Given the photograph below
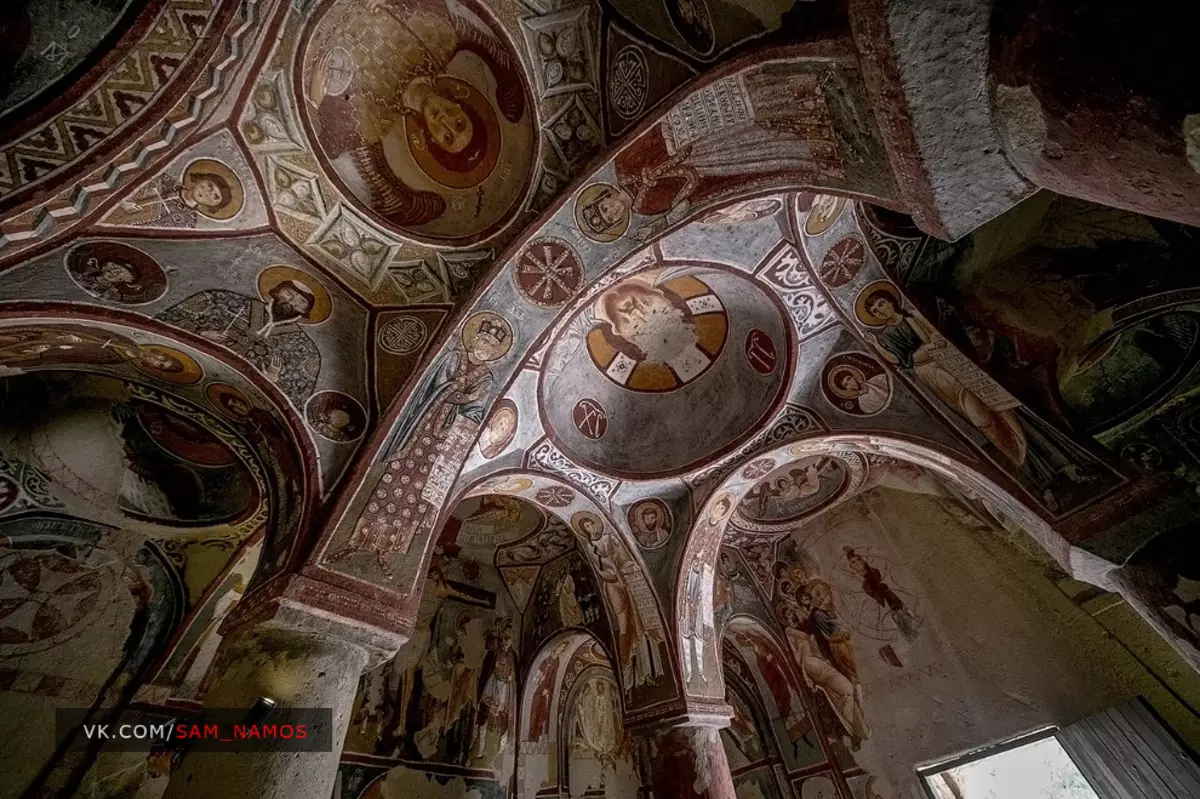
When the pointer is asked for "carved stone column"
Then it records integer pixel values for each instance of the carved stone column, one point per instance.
(688, 762)
(296, 656)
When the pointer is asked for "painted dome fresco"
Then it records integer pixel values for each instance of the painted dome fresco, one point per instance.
(664, 370)
(794, 490)
(421, 112)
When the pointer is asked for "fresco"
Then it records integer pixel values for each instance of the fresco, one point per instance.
(601, 755)
(45, 41)
(85, 609)
(209, 187)
(1059, 471)
(740, 126)
(565, 596)
(651, 522)
(705, 28)
(660, 342)
(448, 698)
(107, 449)
(116, 272)
(267, 330)
(422, 111)
(794, 490)
(1082, 312)
(448, 411)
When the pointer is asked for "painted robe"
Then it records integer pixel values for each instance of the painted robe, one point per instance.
(449, 408)
(910, 344)
(742, 126)
(282, 351)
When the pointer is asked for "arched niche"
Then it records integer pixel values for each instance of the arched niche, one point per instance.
(185, 377)
(697, 571)
(86, 609)
(634, 617)
(573, 740)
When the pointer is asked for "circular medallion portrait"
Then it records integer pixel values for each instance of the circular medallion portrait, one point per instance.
(500, 428)
(211, 189)
(694, 22)
(856, 383)
(587, 524)
(602, 212)
(826, 208)
(336, 417)
(653, 335)
(650, 521)
(229, 401)
(877, 303)
(167, 364)
(486, 336)
(421, 112)
(115, 272)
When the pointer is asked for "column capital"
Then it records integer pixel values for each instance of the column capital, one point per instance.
(300, 603)
(693, 712)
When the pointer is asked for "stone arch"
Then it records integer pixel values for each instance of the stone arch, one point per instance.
(542, 746)
(430, 428)
(50, 337)
(695, 625)
(637, 622)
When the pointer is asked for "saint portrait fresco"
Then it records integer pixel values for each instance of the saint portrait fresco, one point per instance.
(336, 417)
(207, 189)
(794, 490)
(657, 336)
(500, 428)
(826, 208)
(23, 348)
(602, 212)
(447, 412)
(650, 520)
(268, 331)
(856, 383)
(772, 120)
(116, 272)
(421, 109)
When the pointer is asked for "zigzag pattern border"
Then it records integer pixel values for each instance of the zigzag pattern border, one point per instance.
(71, 204)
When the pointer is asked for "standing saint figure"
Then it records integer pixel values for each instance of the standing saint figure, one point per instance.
(547, 675)
(497, 700)
(907, 340)
(766, 121)
(447, 410)
(569, 611)
(638, 662)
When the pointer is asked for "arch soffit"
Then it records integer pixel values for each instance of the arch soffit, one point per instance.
(575, 641)
(531, 487)
(702, 546)
(297, 446)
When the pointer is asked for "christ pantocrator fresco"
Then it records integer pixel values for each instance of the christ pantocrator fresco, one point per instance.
(421, 109)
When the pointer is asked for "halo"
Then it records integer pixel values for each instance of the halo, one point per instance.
(584, 515)
(726, 499)
(191, 370)
(837, 371)
(272, 276)
(860, 305)
(237, 193)
(419, 145)
(471, 328)
(819, 221)
(586, 198)
(215, 392)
